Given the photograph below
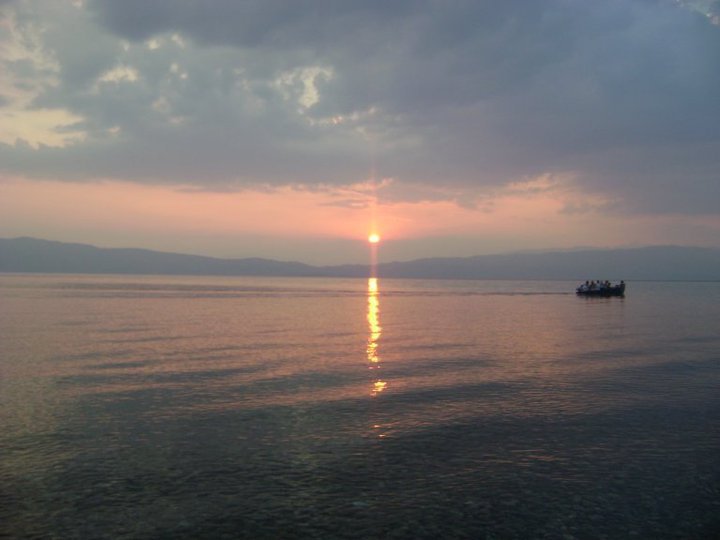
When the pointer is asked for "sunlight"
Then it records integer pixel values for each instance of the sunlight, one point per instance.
(375, 331)
(374, 238)
(373, 319)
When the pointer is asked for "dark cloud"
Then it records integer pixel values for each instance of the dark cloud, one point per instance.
(251, 23)
(623, 94)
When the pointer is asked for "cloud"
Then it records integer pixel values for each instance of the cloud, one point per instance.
(451, 101)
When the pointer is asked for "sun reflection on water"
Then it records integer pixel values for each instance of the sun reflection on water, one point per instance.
(375, 331)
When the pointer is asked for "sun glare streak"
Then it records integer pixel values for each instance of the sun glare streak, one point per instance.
(373, 237)
(375, 331)
(373, 319)
(373, 255)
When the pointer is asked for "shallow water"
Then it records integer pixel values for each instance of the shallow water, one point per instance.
(167, 407)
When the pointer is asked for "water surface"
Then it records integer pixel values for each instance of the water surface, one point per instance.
(168, 407)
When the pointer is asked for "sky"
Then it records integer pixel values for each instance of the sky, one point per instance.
(292, 130)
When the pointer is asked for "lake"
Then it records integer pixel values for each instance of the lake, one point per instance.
(208, 407)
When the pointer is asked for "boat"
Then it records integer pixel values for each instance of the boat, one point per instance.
(601, 289)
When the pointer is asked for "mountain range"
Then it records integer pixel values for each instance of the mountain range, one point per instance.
(645, 263)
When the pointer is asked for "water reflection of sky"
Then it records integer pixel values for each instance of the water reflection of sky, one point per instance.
(253, 410)
(374, 332)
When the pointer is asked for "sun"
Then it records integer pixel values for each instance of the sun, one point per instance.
(374, 238)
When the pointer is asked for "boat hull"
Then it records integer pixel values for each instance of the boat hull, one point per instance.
(617, 290)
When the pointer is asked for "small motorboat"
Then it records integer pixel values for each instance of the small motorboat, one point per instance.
(592, 288)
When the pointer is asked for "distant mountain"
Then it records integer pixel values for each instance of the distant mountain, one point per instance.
(648, 263)
(34, 255)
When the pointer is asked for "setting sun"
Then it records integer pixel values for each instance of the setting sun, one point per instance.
(374, 238)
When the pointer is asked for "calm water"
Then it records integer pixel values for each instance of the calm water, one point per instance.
(186, 407)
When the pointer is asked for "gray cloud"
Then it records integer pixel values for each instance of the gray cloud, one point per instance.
(468, 96)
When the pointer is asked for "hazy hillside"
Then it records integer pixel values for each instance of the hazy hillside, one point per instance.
(658, 263)
(33, 255)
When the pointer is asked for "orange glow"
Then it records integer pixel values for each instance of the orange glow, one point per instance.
(176, 218)
(373, 291)
(374, 238)
(375, 331)
(373, 319)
